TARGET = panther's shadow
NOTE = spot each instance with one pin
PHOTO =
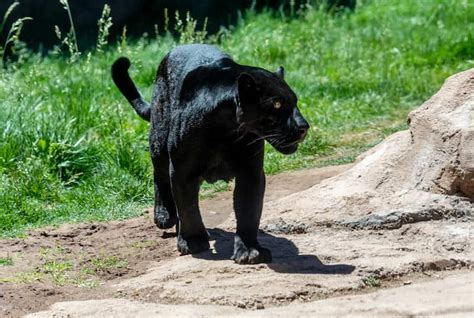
(286, 257)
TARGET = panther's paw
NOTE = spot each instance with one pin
(163, 219)
(250, 255)
(193, 245)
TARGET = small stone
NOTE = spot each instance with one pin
(241, 304)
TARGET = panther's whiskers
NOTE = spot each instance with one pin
(262, 137)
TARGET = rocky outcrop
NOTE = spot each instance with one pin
(424, 173)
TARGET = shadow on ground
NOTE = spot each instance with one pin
(286, 257)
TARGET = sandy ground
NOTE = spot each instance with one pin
(421, 299)
(131, 268)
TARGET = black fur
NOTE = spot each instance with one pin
(128, 89)
(209, 119)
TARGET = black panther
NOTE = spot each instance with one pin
(209, 119)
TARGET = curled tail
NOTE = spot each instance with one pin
(128, 88)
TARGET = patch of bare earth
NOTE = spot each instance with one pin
(87, 261)
(75, 262)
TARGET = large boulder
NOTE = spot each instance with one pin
(424, 173)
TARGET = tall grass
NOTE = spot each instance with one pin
(70, 40)
(71, 149)
(12, 40)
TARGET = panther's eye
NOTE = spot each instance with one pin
(277, 105)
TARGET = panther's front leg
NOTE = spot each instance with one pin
(248, 203)
(192, 235)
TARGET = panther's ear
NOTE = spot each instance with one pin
(246, 96)
(280, 72)
(246, 87)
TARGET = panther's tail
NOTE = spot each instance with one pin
(128, 88)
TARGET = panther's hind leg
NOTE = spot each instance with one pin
(192, 236)
(165, 215)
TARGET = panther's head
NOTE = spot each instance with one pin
(266, 106)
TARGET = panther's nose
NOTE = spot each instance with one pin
(302, 131)
(302, 125)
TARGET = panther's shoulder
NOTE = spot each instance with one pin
(210, 83)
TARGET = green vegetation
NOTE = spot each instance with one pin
(6, 261)
(104, 263)
(62, 268)
(72, 149)
(23, 277)
(57, 271)
(371, 281)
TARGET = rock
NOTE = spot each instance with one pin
(450, 296)
(421, 174)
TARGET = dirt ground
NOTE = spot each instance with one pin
(131, 268)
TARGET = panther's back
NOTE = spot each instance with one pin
(185, 58)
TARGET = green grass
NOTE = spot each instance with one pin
(371, 281)
(57, 266)
(104, 263)
(72, 149)
(6, 261)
